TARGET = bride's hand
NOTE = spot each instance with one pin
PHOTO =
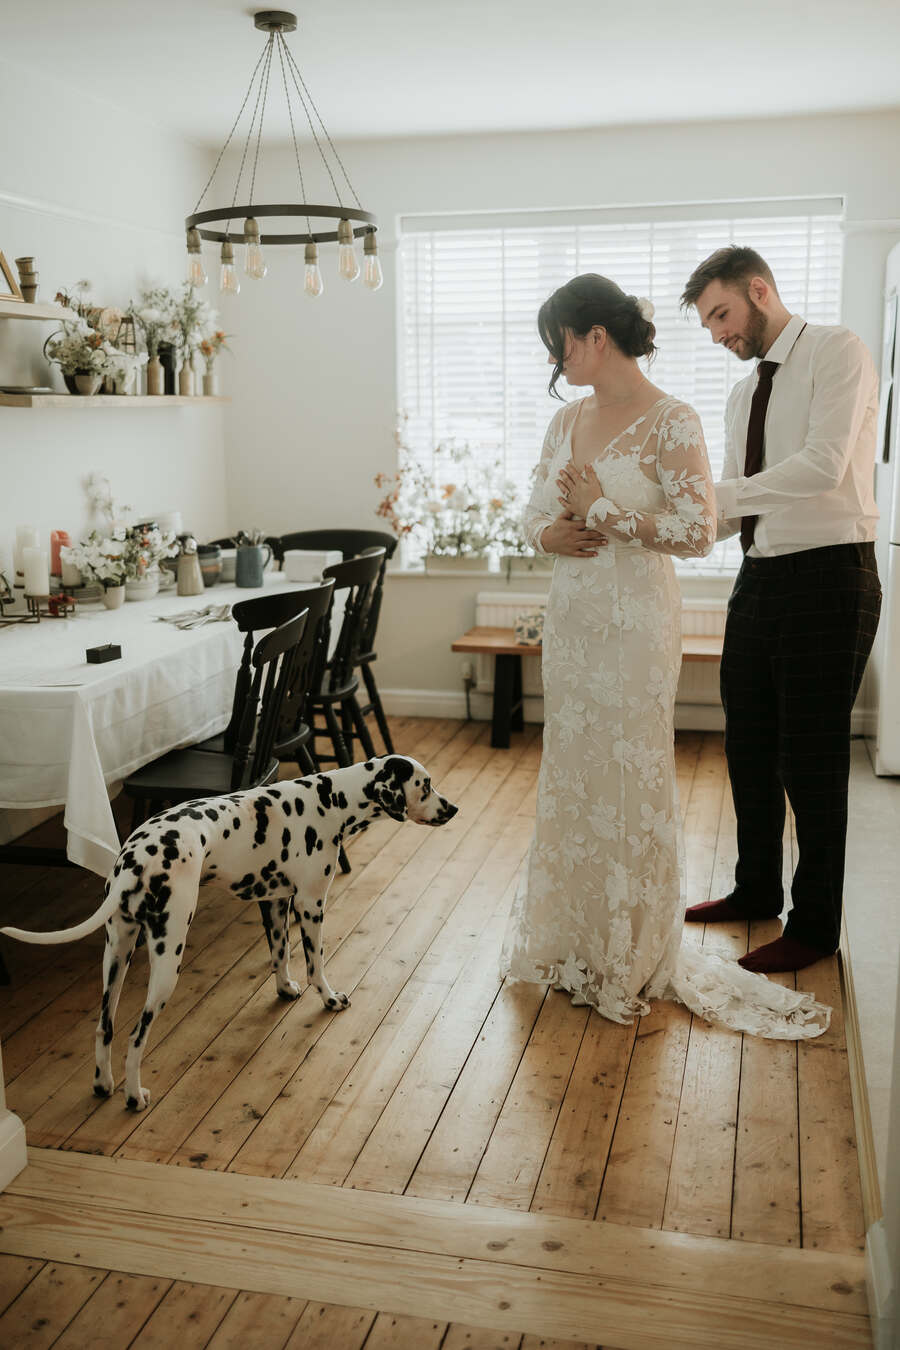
(571, 537)
(578, 491)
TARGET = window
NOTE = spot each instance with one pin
(472, 367)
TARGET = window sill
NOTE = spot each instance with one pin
(694, 585)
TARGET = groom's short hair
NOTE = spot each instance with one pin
(734, 266)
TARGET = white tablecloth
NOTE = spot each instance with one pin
(68, 729)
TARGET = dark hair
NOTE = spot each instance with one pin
(734, 265)
(587, 301)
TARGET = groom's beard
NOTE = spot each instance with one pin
(751, 343)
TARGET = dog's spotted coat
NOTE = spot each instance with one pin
(276, 845)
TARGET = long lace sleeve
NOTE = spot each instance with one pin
(687, 527)
(534, 518)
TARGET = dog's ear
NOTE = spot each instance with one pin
(386, 788)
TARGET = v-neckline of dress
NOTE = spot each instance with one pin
(606, 449)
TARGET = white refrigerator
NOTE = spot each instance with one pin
(886, 652)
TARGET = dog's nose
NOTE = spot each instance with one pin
(448, 810)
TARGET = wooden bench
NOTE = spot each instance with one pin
(507, 706)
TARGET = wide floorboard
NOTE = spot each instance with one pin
(439, 1083)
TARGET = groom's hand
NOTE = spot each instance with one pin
(569, 536)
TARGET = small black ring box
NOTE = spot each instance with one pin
(108, 652)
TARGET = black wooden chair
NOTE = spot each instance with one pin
(255, 616)
(182, 775)
(358, 577)
(353, 543)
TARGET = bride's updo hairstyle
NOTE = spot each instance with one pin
(587, 301)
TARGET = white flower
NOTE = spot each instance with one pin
(646, 308)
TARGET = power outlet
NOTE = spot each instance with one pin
(468, 672)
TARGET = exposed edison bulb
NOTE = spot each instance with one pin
(228, 277)
(312, 281)
(254, 262)
(373, 277)
(196, 272)
(348, 267)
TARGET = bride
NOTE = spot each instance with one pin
(622, 487)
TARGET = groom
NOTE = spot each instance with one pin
(798, 484)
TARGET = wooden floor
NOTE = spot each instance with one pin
(438, 1090)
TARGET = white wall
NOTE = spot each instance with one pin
(94, 192)
(315, 382)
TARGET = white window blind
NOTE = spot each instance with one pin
(473, 369)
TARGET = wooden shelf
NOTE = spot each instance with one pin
(18, 309)
(83, 401)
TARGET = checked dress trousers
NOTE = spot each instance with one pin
(799, 631)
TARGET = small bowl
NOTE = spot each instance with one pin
(229, 563)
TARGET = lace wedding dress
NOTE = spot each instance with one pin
(601, 908)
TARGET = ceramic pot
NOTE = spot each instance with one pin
(229, 563)
(249, 567)
(142, 588)
(210, 556)
(210, 384)
(88, 383)
(185, 380)
(154, 376)
(113, 596)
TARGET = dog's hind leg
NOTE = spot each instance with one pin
(166, 954)
(311, 928)
(121, 936)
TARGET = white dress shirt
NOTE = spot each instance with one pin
(816, 486)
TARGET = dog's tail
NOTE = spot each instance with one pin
(96, 920)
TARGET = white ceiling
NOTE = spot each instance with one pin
(410, 67)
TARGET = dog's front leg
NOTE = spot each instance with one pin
(311, 916)
(280, 946)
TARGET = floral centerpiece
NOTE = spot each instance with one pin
(144, 548)
(99, 557)
(464, 508)
(85, 349)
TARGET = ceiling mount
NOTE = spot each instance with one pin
(275, 20)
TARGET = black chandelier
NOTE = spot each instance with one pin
(277, 22)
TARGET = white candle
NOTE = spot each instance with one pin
(37, 571)
(71, 576)
(26, 537)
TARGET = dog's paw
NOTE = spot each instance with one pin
(139, 1102)
(290, 990)
(104, 1083)
(337, 1002)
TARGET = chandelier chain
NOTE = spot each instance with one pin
(287, 99)
(240, 174)
(265, 95)
(233, 129)
(324, 128)
(295, 75)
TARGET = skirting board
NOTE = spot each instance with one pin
(13, 1157)
(452, 703)
(882, 1296)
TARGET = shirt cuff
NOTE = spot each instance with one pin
(726, 500)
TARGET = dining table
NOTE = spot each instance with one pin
(70, 730)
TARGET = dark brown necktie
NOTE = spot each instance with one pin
(756, 438)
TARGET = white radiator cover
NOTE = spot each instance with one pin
(699, 681)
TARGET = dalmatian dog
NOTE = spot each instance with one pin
(276, 845)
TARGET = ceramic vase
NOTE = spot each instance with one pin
(210, 383)
(185, 380)
(210, 556)
(167, 361)
(113, 596)
(142, 588)
(154, 376)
